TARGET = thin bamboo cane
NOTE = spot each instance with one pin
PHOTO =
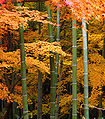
(100, 106)
(39, 113)
(57, 59)
(13, 103)
(85, 61)
(58, 96)
(0, 41)
(57, 40)
(23, 70)
(52, 69)
(74, 71)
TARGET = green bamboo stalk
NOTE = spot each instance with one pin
(0, 41)
(52, 69)
(57, 59)
(85, 61)
(58, 96)
(100, 106)
(23, 70)
(17, 115)
(39, 113)
(74, 71)
(49, 25)
(57, 40)
(13, 103)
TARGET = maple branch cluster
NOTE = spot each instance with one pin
(83, 8)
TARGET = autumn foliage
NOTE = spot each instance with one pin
(37, 45)
(84, 8)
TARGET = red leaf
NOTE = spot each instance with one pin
(1, 1)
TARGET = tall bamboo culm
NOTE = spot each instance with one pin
(23, 70)
(74, 70)
(85, 62)
(39, 110)
(52, 69)
(57, 59)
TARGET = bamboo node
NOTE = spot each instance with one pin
(24, 95)
(25, 112)
(56, 73)
(52, 102)
(74, 46)
(74, 65)
(74, 27)
(52, 117)
(85, 73)
(74, 114)
(74, 83)
(23, 79)
(57, 39)
(85, 61)
(85, 96)
(49, 17)
(53, 87)
(51, 36)
(52, 71)
(22, 61)
(22, 43)
(86, 108)
(74, 99)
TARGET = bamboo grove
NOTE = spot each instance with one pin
(52, 58)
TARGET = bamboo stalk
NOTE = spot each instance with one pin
(58, 96)
(39, 113)
(13, 103)
(57, 59)
(74, 71)
(52, 69)
(100, 106)
(23, 70)
(50, 29)
(0, 41)
(85, 61)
